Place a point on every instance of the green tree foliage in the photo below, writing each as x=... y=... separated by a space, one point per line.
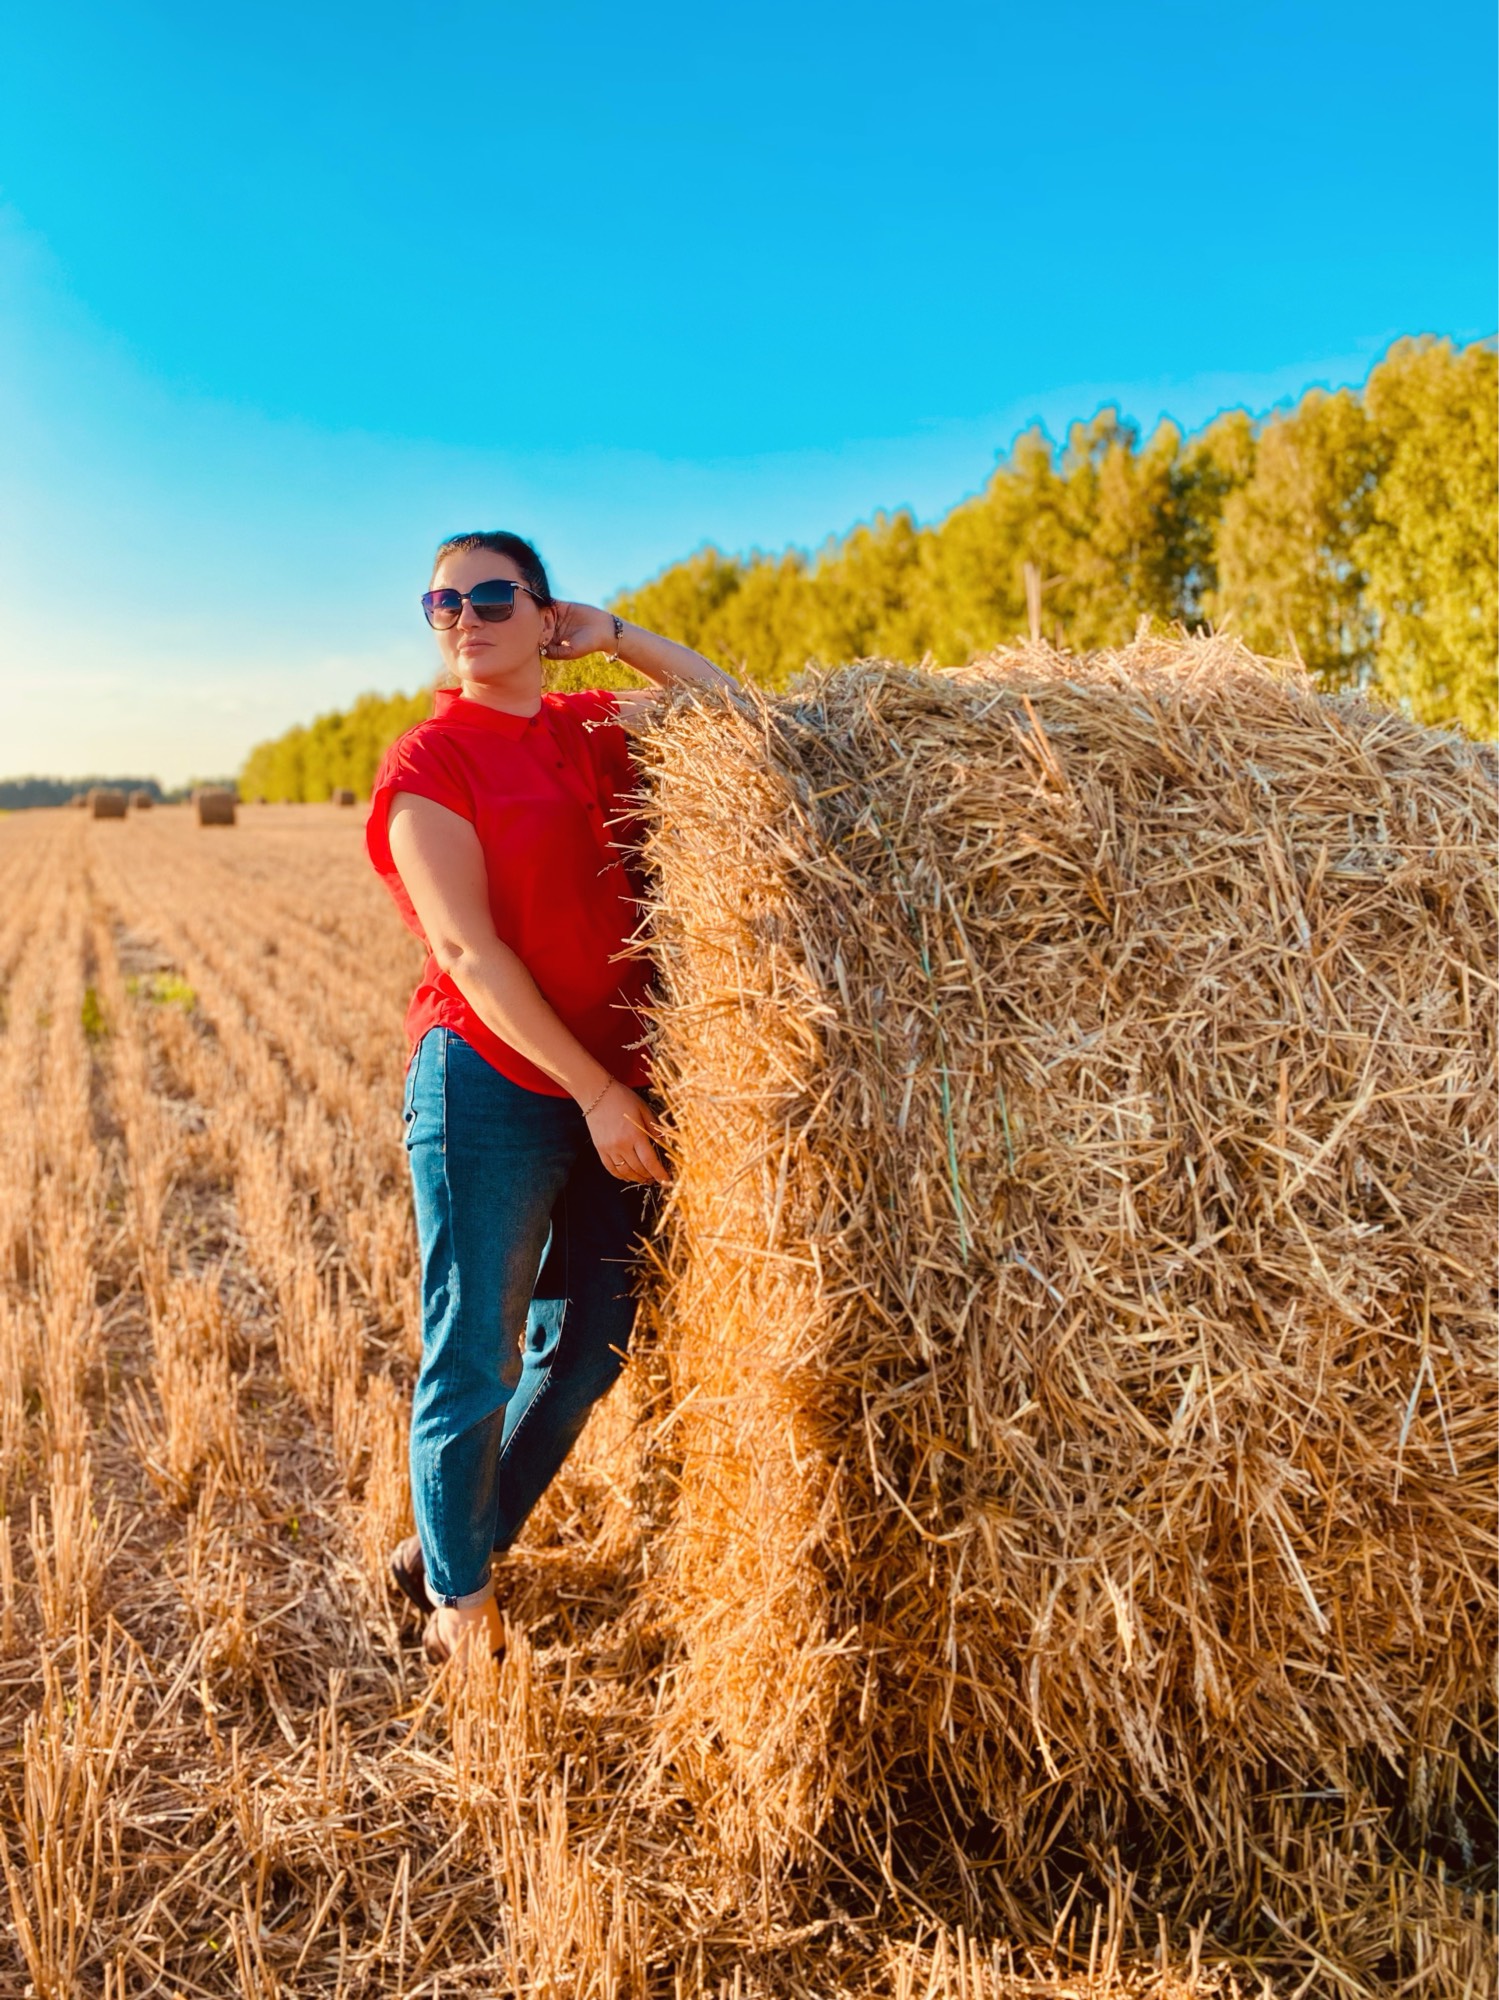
x=753 y=615
x=1288 y=574
x=1213 y=465
x=1428 y=549
x=342 y=748
x=871 y=593
x=1356 y=530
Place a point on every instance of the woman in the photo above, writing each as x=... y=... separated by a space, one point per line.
x=499 y=828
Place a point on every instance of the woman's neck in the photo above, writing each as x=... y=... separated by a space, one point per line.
x=523 y=698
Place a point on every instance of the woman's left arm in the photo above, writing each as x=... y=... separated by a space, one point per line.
x=583 y=628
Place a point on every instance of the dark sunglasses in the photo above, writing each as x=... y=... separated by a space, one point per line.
x=494 y=602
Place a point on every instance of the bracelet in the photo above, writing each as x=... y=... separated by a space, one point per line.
x=600 y=1098
x=619 y=633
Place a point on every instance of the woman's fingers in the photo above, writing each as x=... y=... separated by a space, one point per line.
x=646 y=1152
x=581 y=628
x=561 y=640
x=641 y=1162
x=623 y=1136
x=645 y=1121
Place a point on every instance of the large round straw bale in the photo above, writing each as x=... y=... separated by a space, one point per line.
x=104 y=802
x=342 y=796
x=215 y=806
x=1077 y=1284
x=142 y=801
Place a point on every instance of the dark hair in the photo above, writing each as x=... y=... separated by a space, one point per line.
x=532 y=569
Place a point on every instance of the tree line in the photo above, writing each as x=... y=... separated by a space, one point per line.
x=1356 y=531
x=339 y=750
x=21 y=794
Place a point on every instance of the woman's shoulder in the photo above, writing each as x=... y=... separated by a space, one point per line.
x=425 y=759
x=422 y=762
x=429 y=741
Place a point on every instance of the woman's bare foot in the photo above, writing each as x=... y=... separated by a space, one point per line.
x=464 y=1629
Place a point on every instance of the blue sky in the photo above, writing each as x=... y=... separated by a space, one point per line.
x=287 y=293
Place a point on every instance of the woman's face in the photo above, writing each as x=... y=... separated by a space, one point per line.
x=492 y=655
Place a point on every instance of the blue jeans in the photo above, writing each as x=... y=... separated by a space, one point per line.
x=527 y=1242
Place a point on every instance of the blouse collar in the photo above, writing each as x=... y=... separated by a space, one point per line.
x=451 y=705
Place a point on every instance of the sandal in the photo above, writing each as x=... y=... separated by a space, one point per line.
x=408 y=1569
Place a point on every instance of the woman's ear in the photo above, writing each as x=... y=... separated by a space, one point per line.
x=548 y=626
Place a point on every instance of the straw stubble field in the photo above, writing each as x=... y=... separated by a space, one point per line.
x=224 y=1768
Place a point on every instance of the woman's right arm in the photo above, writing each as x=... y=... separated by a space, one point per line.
x=441 y=864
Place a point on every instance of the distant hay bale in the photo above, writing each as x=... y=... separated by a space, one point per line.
x=216 y=806
x=104 y=802
x=342 y=796
x=1076 y=1290
x=142 y=801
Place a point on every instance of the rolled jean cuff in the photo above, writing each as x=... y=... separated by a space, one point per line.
x=470 y=1598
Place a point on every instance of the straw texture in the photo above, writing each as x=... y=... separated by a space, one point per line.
x=1077 y=1286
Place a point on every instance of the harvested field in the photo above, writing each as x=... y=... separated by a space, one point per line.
x=230 y=1772
x=225 y=1769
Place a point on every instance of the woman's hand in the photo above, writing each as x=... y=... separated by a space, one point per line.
x=579 y=629
x=583 y=628
x=621 y=1126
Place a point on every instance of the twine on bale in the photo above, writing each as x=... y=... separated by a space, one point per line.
x=1077 y=1286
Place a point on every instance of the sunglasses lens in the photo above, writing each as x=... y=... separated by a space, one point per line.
x=442 y=608
x=493 y=601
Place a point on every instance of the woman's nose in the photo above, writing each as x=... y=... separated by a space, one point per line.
x=467 y=614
